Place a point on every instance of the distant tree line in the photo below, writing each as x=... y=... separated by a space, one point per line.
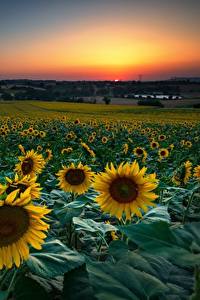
x=51 y=90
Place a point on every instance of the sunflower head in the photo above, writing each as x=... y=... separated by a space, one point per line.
x=182 y=174
x=21 y=225
x=21 y=184
x=162 y=137
x=163 y=153
x=139 y=152
x=154 y=145
x=30 y=164
x=197 y=172
x=125 y=190
x=75 y=179
x=104 y=139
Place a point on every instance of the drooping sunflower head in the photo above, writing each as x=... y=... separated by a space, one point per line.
x=66 y=150
x=197 y=172
x=188 y=144
x=22 y=184
x=75 y=179
x=49 y=154
x=125 y=148
x=182 y=174
x=21 y=225
x=30 y=164
x=125 y=190
x=163 y=153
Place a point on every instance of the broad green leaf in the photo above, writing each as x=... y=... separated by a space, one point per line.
x=159 y=213
x=90 y=225
x=159 y=238
x=77 y=285
x=122 y=281
x=28 y=288
x=54 y=260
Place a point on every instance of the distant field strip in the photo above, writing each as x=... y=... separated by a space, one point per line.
x=75 y=110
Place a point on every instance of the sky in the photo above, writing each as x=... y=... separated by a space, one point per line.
x=99 y=39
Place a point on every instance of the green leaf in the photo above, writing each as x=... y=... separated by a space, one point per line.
x=28 y=288
x=118 y=249
x=3 y=295
x=54 y=260
x=123 y=282
x=90 y=225
x=159 y=238
x=159 y=213
x=77 y=285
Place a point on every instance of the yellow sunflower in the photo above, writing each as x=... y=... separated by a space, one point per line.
x=163 y=153
x=140 y=152
x=197 y=172
x=125 y=189
x=104 y=140
x=49 y=154
x=66 y=150
x=21 y=225
x=154 y=145
x=162 y=137
x=125 y=148
x=22 y=184
x=30 y=164
x=75 y=179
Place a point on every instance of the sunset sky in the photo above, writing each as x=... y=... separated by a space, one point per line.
x=99 y=39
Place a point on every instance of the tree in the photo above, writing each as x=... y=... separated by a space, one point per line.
x=106 y=99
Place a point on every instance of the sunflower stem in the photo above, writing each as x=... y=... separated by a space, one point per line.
x=188 y=207
x=12 y=283
x=3 y=278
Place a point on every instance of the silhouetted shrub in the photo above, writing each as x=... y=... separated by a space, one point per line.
x=150 y=102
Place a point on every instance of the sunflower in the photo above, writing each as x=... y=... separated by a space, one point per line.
x=42 y=134
x=125 y=148
x=163 y=153
x=104 y=140
x=66 y=150
x=21 y=148
x=182 y=174
x=139 y=152
x=21 y=224
x=188 y=144
x=154 y=145
x=75 y=179
x=22 y=184
x=88 y=150
x=49 y=154
x=197 y=172
x=125 y=189
x=162 y=137
x=30 y=164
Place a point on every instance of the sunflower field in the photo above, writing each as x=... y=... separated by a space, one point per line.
x=99 y=202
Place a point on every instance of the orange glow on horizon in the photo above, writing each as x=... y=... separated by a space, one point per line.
x=101 y=53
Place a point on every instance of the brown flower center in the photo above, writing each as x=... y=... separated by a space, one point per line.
x=162 y=153
x=27 y=166
x=75 y=176
x=139 y=151
x=22 y=187
x=14 y=222
x=123 y=190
